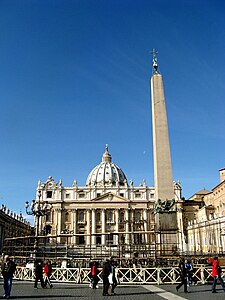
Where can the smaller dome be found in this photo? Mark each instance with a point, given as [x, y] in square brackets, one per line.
[106, 173]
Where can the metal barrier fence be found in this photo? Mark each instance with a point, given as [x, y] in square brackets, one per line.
[163, 275]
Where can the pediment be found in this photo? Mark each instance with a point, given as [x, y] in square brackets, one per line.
[110, 197]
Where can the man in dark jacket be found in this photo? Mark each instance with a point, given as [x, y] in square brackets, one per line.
[106, 270]
[39, 274]
[183, 275]
[8, 269]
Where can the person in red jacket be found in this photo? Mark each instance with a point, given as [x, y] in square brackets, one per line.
[48, 273]
[216, 273]
[94, 274]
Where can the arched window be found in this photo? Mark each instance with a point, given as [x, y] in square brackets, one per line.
[67, 217]
[121, 216]
[98, 217]
[137, 216]
[81, 216]
[48, 229]
[110, 216]
[48, 217]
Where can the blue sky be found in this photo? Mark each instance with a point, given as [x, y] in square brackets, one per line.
[74, 76]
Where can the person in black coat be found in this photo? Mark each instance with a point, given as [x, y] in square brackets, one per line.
[183, 275]
[106, 270]
[39, 274]
[8, 269]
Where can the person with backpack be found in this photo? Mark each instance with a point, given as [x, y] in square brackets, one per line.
[190, 278]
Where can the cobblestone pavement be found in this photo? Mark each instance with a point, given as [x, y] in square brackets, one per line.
[25, 290]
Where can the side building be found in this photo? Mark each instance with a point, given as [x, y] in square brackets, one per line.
[204, 215]
[12, 226]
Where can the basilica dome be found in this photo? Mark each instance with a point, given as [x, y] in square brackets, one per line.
[106, 173]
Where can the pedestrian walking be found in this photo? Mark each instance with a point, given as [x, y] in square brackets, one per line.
[8, 269]
[216, 273]
[48, 273]
[112, 276]
[190, 278]
[91, 278]
[106, 270]
[94, 275]
[183, 275]
[39, 275]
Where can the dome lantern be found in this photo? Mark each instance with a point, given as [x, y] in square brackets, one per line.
[106, 156]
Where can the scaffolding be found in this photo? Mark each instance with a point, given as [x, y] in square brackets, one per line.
[58, 248]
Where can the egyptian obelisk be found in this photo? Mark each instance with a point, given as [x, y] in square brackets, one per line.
[165, 219]
[163, 179]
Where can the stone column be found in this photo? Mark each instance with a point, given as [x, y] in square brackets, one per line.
[93, 227]
[59, 223]
[88, 231]
[117, 226]
[74, 226]
[127, 239]
[103, 227]
[145, 217]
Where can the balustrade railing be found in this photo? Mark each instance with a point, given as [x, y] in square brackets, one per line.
[159, 275]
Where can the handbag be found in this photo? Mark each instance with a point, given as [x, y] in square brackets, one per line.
[110, 277]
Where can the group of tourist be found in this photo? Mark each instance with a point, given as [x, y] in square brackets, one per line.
[8, 269]
[45, 280]
[108, 272]
[109, 277]
[186, 275]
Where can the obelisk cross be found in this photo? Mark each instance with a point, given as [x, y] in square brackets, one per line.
[155, 65]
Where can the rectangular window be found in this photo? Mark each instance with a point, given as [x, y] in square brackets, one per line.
[48, 217]
[138, 195]
[49, 194]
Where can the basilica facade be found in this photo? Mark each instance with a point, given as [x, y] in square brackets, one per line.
[107, 211]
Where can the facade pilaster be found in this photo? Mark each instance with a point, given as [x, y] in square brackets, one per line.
[93, 227]
[117, 226]
[75, 226]
[88, 231]
[59, 223]
[145, 217]
[103, 227]
[127, 240]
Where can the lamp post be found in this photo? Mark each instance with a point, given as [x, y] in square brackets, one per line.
[38, 210]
